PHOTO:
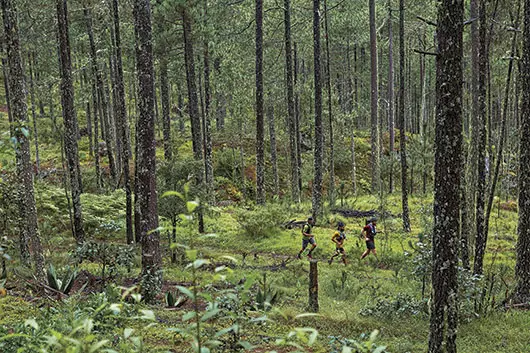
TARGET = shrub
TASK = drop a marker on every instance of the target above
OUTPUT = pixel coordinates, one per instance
(262, 221)
(401, 304)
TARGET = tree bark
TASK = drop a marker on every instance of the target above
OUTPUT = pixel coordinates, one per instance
(313, 285)
(26, 194)
(319, 133)
(293, 151)
(69, 118)
(147, 198)
(331, 190)
(123, 124)
(374, 159)
(260, 149)
(208, 163)
(102, 97)
(274, 158)
(481, 240)
(522, 267)
(401, 117)
(448, 150)
(391, 98)
(166, 120)
(33, 113)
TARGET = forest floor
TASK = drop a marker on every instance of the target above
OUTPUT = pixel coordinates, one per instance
(242, 247)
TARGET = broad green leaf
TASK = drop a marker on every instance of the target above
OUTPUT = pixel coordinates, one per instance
(147, 315)
(31, 322)
(127, 332)
(188, 316)
(173, 193)
(191, 254)
(199, 262)
(191, 206)
(209, 314)
(380, 349)
(186, 291)
(96, 346)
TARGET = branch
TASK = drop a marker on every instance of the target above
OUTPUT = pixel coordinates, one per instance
(429, 22)
(471, 20)
(425, 52)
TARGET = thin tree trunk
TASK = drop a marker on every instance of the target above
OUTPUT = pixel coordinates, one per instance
(374, 159)
(69, 117)
(33, 113)
(102, 97)
(353, 163)
(260, 149)
(331, 191)
(27, 207)
(208, 163)
(522, 267)
(293, 150)
(401, 118)
(502, 133)
(448, 150)
(274, 159)
(147, 198)
(319, 133)
(481, 240)
(298, 117)
(121, 117)
(193, 103)
(166, 120)
(391, 98)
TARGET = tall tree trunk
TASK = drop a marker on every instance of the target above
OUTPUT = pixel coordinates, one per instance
(298, 117)
(353, 163)
(295, 189)
(401, 118)
(313, 285)
(391, 98)
(208, 163)
(33, 113)
(331, 191)
(193, 103)
(147, 199)
(522, 267)
(166, 120)
(28, 210)
(481, 240)
(8, 96)
(374, 159)
(69, 117)
(121, 117)
(102, 97)
(448, 150)
(502, 133)
(319, 133)
(96, 136)
(274, 159)
(260, 149)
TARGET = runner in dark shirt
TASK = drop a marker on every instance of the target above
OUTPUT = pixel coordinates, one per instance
(369, 232)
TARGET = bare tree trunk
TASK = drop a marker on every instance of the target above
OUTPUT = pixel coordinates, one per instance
(102, 99)
(28, 210)
(208, 163)
(147, 198)
(166, 120)
(391, 98)
(481, 240)
(448, 151)
(33, 113)
(193, 103)
(121, 117)
(331, 191)
(313, 285)
(522, 267)
(298, 117)
(401, 118)
(374, 160)
(500, 149)
(293, 143)
(274, 158)
(260, 149)
(319, 133)
(69, 117)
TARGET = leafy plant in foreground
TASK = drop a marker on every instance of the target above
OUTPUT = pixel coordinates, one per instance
(61, 284)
